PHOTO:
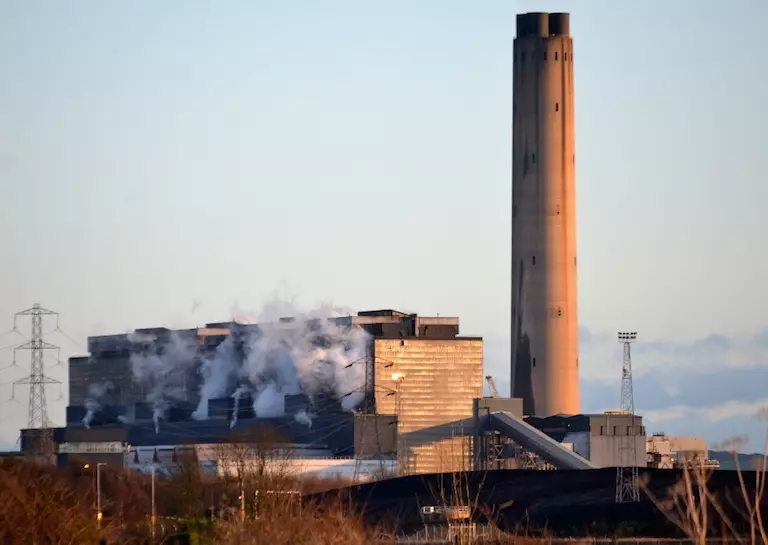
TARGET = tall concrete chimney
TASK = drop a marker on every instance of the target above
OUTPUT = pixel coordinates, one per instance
(545, 342)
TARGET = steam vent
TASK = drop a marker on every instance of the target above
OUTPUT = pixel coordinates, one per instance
(545, 345)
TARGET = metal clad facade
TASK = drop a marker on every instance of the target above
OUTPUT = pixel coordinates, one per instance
(438, 381)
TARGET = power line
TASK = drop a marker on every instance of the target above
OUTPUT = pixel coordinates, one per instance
(627, 482)
(37, 418)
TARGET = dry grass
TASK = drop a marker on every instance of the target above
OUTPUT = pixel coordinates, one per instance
(42, 505)
(700, 514)
(331, 525)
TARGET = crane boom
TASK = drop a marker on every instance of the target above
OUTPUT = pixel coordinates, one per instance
(492, 386)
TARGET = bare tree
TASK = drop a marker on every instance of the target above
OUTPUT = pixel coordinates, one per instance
(48, 512)
(698, 512)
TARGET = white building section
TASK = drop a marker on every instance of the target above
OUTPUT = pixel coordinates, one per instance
(229, 459)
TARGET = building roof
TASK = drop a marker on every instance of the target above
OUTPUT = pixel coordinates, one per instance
(332, 431)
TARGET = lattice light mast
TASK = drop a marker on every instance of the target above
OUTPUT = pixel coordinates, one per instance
(37, 379)
(627, 482)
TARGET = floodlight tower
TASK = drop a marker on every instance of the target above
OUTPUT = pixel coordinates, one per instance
(627, 483)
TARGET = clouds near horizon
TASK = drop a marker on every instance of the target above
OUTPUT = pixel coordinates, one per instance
(711, 387)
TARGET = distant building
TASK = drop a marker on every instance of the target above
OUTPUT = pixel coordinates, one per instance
(670, 452)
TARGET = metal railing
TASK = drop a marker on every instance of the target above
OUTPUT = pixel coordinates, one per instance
(485, 534)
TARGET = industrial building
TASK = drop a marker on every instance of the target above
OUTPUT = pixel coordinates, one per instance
(418, 406)
(420, 378)
(421, 410)
(545, 349)
(673, 452)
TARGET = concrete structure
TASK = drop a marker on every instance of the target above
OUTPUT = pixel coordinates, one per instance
(669, 452)
(544, 304)
(599, 438)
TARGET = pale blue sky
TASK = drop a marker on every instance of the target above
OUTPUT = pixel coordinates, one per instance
(157, 153)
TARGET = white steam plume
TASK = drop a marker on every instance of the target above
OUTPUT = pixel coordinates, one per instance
(241, 390)
(163, 368)
(93, 401)
(303, 418)
(219, 374)
(309, 354)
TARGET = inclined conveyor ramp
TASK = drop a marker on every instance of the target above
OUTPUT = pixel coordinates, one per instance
(537, 442)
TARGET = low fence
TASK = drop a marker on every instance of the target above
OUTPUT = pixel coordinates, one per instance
(481, 534)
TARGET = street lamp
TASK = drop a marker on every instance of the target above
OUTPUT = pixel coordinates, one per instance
(154, 513)
(242, 503)
(98, 490)
(402, 449)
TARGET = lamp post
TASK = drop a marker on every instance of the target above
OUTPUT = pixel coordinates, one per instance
(402, 468)
(98, 490)
(153, 518)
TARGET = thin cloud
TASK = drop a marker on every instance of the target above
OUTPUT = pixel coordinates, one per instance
(716, 414)
(601, 354)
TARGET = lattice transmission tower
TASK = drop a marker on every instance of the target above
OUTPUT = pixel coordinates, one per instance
(627, 482)
(37, 380)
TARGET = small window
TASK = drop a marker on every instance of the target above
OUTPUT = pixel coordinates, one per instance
(533, 158)
(534, 260)
(602, 430)
(545, 55)
(534, 362)
(557, 106)
(555, 55)
(565, 56)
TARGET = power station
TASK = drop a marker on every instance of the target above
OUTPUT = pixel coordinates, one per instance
(545, 343)
(385, 392)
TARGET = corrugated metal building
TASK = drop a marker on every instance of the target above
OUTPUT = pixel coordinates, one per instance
(421, 371)
(435, 382)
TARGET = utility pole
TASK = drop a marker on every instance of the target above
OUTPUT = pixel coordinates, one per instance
(37, 380)
(153, 518)
(627, 482)
(99, 514)
(403, 461)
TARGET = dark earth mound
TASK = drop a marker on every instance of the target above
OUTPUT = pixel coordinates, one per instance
(573, 503)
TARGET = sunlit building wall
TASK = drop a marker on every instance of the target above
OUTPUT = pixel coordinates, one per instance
(430, 384)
